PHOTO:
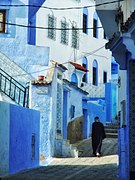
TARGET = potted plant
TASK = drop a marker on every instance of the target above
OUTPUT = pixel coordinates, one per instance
(40, 77)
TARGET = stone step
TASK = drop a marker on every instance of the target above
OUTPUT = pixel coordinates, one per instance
(111, 126)
(112, 135)
(111, 130)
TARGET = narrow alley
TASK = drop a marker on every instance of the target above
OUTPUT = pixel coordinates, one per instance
(84, 167)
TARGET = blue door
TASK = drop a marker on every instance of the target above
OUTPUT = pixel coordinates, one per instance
(65, 96)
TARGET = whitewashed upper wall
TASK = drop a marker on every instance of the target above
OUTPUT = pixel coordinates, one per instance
(88, 46)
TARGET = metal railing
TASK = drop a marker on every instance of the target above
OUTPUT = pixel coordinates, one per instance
(13, 89)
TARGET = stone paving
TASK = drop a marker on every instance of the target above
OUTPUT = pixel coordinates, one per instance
(88, 167)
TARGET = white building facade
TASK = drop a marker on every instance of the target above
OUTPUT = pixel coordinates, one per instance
(75, 35)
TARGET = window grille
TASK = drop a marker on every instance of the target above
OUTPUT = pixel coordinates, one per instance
(64, 32)
(75, 38)
(2, 20)
(51, 27)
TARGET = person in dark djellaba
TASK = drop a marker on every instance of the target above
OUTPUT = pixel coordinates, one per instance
(98, 134)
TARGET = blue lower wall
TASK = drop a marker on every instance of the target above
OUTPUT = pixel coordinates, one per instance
(23, 124)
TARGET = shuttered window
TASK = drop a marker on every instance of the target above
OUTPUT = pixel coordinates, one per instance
(64, 32)
(51, 27)
(75, 38)
(2, 20)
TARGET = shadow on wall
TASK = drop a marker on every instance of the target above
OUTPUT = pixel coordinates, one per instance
(75, 130)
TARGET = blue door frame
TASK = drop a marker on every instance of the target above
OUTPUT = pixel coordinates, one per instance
(65, 97)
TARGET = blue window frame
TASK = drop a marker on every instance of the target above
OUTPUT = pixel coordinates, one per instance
(32, 31)
(74, 79)
(2, 20)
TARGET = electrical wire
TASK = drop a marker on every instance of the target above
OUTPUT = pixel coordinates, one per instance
(86, 55)
(41, 27)
(66, 8)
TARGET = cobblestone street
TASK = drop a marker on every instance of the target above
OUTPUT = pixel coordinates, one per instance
(84, 167)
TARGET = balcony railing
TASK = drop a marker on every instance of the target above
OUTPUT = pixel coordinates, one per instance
(13, 89)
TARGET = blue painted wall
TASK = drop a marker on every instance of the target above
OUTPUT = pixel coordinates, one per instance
(96, 108)
(111, 101)
(123, 151)
(23, 123)
(18, 125)
(14, 43)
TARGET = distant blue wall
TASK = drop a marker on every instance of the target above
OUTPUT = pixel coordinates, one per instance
(23, 123)
(96, 108)
(111, 101)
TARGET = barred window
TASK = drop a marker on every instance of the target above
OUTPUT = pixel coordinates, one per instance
(75, 38)
(64, 32)
(51, 27)
(2, 20)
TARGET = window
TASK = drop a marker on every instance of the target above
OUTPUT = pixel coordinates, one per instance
(84, 23)
(51, 27)
(72, 111)
(95, 73)
(85, 65)
(2, 20)
(85, 20)
(104, 77)
(74, 79)
(75, 38)
(95, 34)
(64, 32)
(104, 35)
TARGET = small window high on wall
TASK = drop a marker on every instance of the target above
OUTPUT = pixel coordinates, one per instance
(85, 20)
(2, 21)
(51, 27)
(104, 77)
(74, 79)
(95, 25)
(95, 73)
(95, 34)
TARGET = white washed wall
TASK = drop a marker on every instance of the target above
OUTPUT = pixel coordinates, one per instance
(87, 44)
